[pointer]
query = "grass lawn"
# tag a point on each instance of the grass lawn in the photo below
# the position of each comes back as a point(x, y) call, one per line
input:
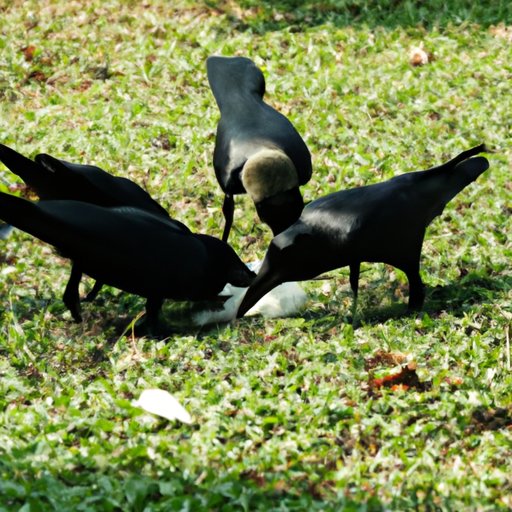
point(287, 412)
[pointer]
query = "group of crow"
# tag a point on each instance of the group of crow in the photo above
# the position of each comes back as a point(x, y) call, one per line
point(112, 230)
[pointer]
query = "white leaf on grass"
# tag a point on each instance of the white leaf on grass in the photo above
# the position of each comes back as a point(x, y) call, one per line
point(284, 300)
point(162, 403)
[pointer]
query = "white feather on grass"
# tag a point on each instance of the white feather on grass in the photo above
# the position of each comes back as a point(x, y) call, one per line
point(162, 403)
point(284, 300)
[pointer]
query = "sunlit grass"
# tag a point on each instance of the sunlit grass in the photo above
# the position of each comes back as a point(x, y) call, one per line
point(285, 418)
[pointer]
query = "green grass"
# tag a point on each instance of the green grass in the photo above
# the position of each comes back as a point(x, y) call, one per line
point(285, 418)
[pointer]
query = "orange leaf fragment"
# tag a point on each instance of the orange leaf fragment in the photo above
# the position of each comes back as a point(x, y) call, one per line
point(418, 56)
point(28, 52)
point(403, 380)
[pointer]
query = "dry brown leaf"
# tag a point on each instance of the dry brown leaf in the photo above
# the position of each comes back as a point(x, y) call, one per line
point(383, 358)
point(403, 380)
point(502, 31)
point(419, 57)
point(28, 52)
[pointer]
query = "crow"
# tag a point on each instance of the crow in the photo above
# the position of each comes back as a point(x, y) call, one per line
point(130, 249)
point(51, 178)
point(384, 222)
point(257, 149)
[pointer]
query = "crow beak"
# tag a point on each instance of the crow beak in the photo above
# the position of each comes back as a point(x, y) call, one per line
point(265, 281)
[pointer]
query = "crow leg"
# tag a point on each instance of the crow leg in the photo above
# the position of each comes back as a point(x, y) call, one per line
point(416, 287)
point(354, 284)
point(71, 297)
point(153, 306)
point(228, 209)
point(94, 292)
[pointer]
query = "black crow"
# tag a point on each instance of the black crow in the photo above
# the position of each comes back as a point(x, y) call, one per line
point(52, 178)
point(257, 150)
point(130, 249)
point(384, 222)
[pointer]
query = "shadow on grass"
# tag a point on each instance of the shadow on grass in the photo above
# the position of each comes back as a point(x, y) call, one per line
point(296, 15)
point(474, 289)
point(115, 313)
point(175, 320)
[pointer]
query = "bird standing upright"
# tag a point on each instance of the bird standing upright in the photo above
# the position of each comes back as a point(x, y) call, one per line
point(257, 149)
point(384, 222)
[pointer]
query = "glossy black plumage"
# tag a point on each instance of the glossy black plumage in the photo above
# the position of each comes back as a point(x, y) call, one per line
point(247, 127)
point(130, 249)
point(384, 222)
point(52, 178)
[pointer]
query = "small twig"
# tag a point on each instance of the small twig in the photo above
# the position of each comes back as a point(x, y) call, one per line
point(131, 328)
point(507, 345)
point(508, 316)
point(323, 277)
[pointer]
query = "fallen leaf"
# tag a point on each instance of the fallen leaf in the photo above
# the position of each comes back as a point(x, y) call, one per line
point(418, 56)
point(383, 358)
point(403, 380)
point(502, 31)
point(454, 381)
point(399, 387)
point(28, 52)
point(84, 85)
point(284, 300)
point(162, 403)
point(36, 75)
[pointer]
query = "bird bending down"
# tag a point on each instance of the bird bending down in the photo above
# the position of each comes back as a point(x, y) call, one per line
point(384, 222)
point(257, 149)
point(52, 178)
point(130, 249)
